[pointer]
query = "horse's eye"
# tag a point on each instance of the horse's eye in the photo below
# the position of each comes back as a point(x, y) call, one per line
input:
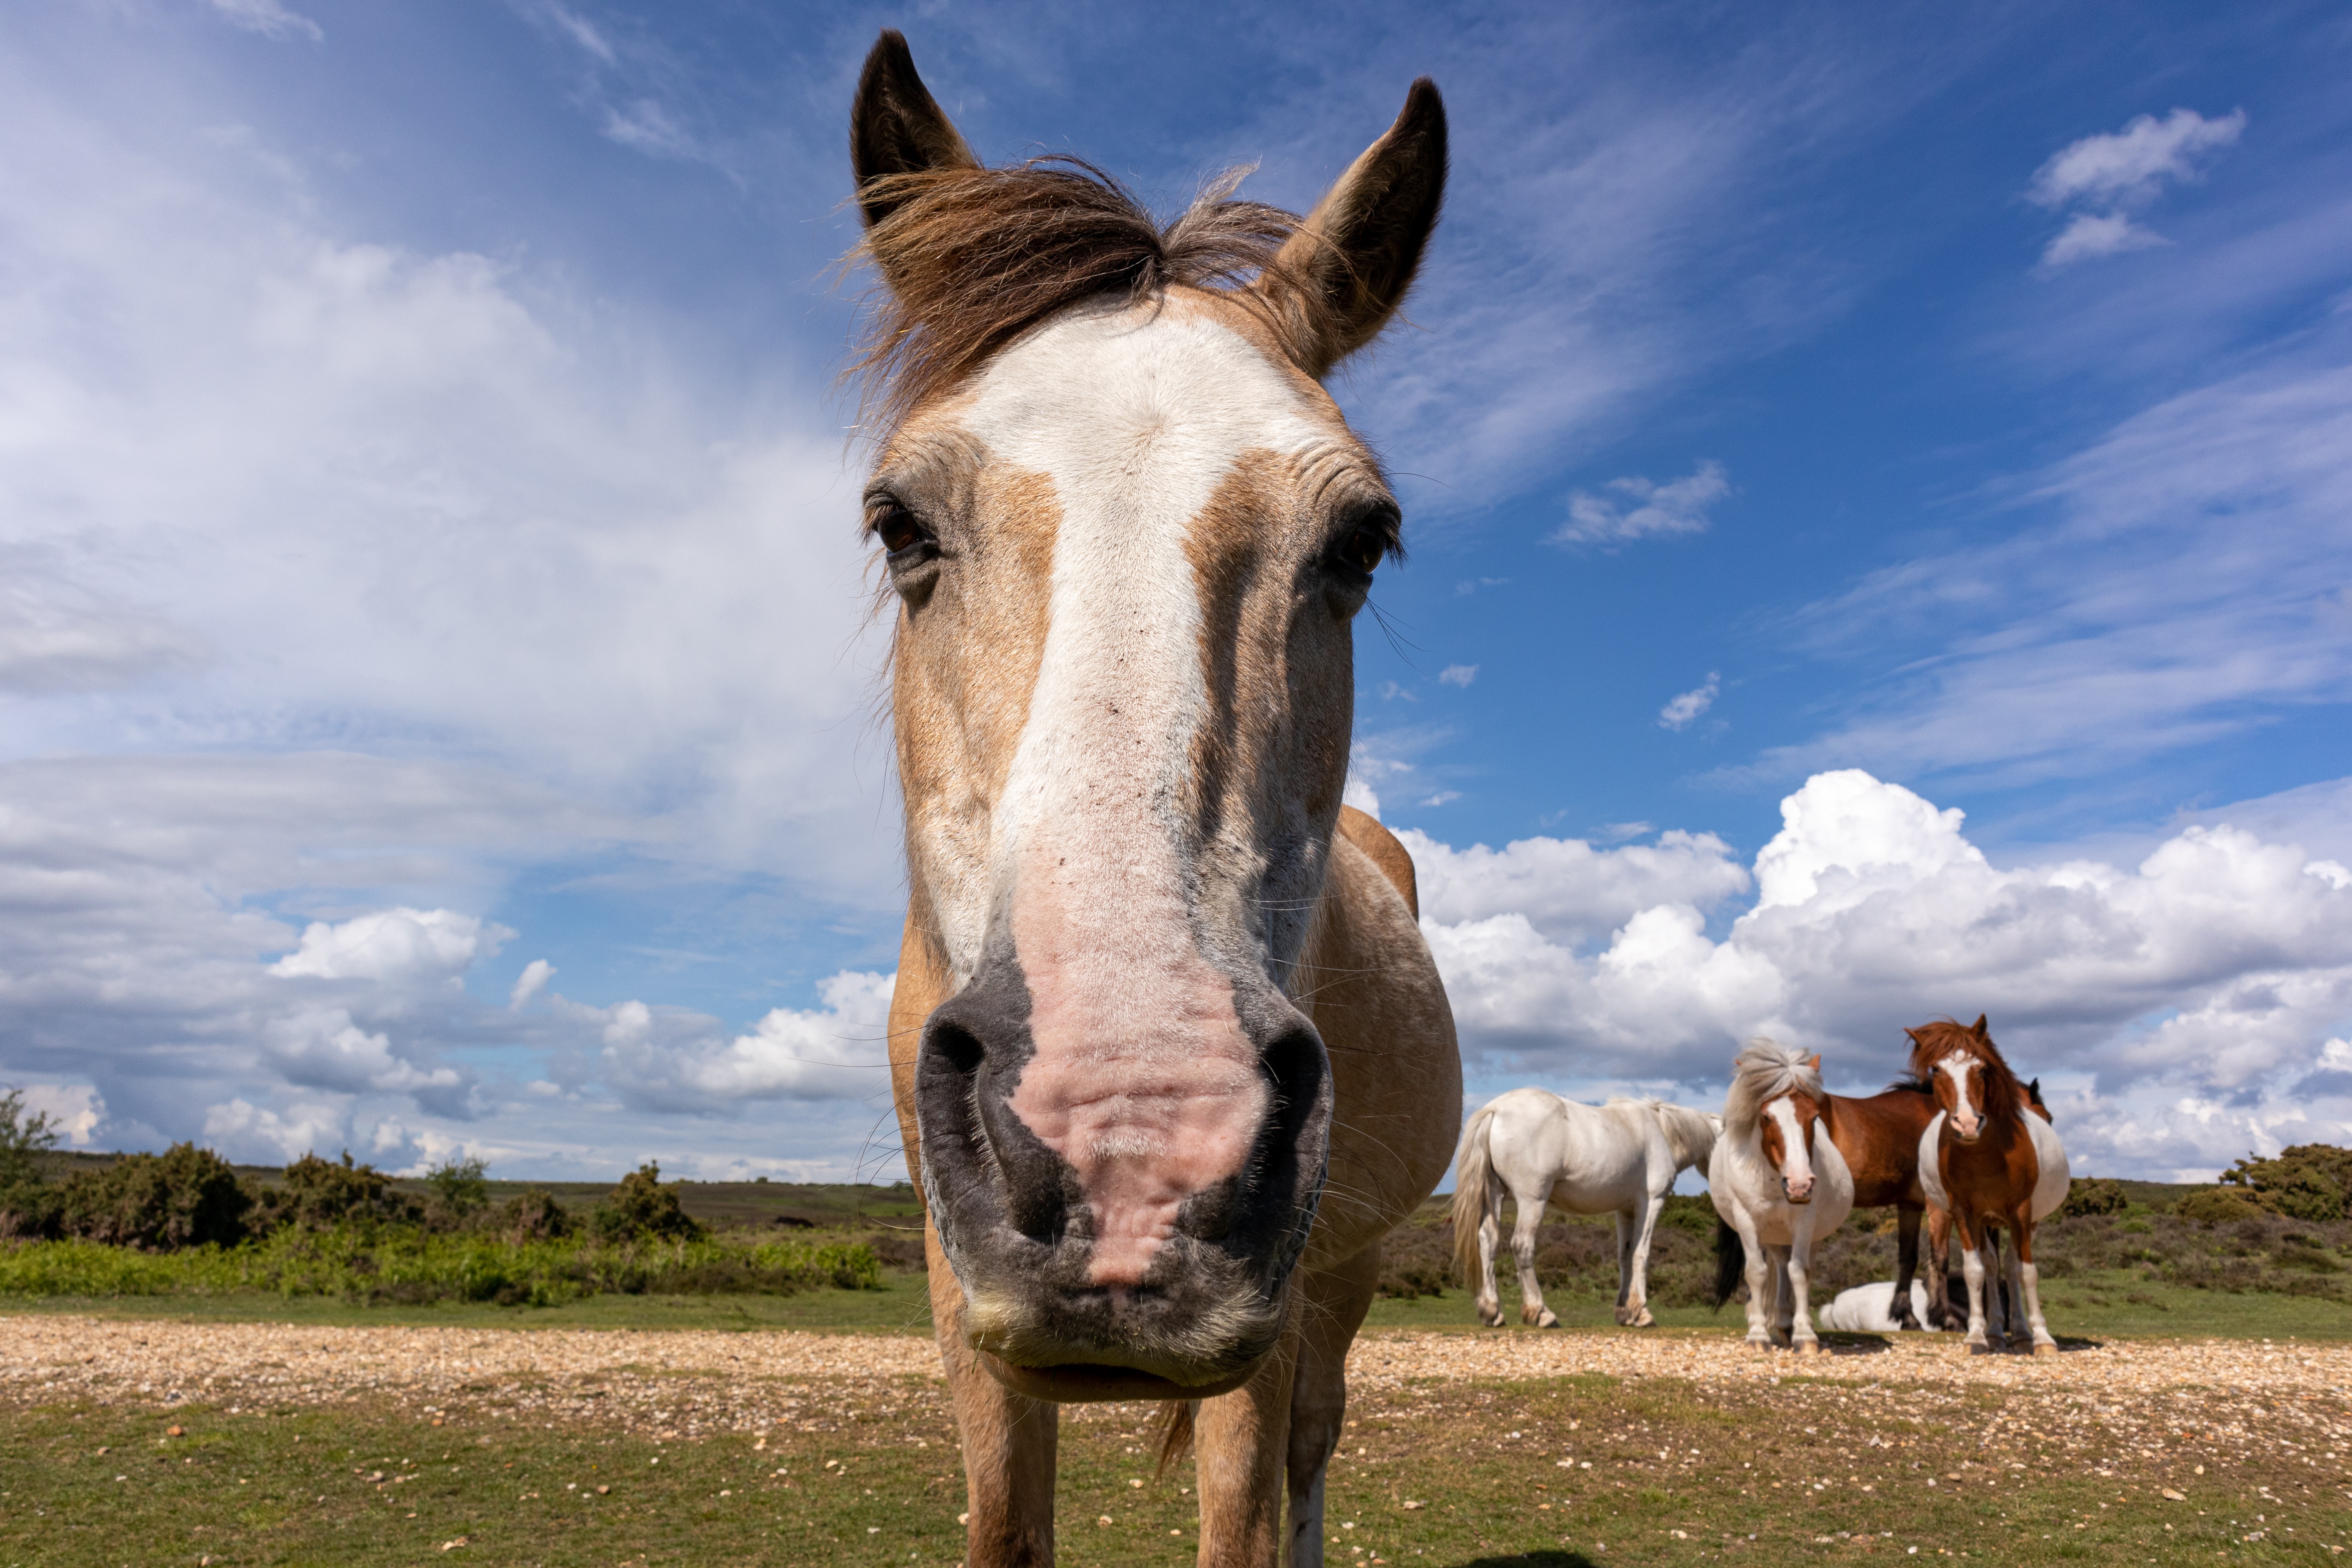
point(897, 529)
point(1365, 548)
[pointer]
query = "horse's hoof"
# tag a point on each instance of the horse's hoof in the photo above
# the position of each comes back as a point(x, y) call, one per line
point(2045, 1347)
point(1978, 1347)
point(1548, 1320)
point(1807, 1347)
point(1645, 1320)
point(1757, 1344)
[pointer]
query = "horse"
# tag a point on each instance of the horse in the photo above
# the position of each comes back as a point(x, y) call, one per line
point(2000, 1304)
point(1617, 1159)
point(1167, 1052)
point(1991, 1164)
point(1778, 1182)
point(1879, 1137)
point(1870, 1308)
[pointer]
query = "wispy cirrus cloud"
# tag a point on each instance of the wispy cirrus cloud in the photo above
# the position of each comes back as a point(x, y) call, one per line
point(1635, 508)
point(2120, 170)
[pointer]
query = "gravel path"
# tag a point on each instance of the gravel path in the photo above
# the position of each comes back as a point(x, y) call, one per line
point(685, 1384)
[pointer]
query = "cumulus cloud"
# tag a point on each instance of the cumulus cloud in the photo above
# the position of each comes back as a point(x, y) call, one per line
point(2131, 165)
point(838, 1051)
point(1638, 508)
point(2121, 170)
point(245, 1131)
point(75, 1109)
point(2212, 974)
point(1679, 713)
point(1460, 674)
point(396, 946)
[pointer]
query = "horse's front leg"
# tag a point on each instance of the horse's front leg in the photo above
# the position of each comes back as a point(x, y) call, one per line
point(1801, 1337)
point(1941, 1314)
point(1759, 1287)
point(1244, 1443)
point(2026, 1282)
point(1907, 1266)
point(1335, 1301)
point(1783, 1329)
point(1634, 1264)
point(1523, 1251)
point(1972, 1264)
point(1009, 1441)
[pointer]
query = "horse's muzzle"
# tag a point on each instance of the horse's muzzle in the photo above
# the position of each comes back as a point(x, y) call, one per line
point(1020, 1227)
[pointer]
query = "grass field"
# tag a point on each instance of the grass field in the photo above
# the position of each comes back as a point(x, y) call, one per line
point(1655, 1472)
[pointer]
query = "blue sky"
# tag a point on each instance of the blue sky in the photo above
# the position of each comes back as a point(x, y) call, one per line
point(429, 532)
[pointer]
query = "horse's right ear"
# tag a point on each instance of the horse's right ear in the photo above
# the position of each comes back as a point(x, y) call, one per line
point(1355, 254)
point(896, 127)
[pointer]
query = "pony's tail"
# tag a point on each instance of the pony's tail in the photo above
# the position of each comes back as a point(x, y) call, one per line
point(1472, 1170)
point(1730, 1261)
point(1176, 1420)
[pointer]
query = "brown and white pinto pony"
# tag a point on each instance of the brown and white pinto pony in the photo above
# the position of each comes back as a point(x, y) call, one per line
point(1169, 1053)
point(1991, 1164)
point(1778, 1184)
point(1879, 1136)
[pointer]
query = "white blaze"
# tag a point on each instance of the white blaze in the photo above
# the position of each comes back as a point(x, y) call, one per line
point(1142, 1080)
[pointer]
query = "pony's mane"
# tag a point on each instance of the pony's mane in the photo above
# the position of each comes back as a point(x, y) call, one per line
point(973, 258)
point(1762, 1072)
point(1912, 1083)
point(1931, 1043)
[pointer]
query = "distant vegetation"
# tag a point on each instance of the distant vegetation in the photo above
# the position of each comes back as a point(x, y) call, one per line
point(187, 1223)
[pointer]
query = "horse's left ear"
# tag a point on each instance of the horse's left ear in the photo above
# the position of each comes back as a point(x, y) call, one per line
point(1979, 1029)
point(1355, 254)
point(1814, 1061)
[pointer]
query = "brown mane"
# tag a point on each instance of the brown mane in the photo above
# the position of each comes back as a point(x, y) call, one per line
point(973, 258)
point(1931, 1043)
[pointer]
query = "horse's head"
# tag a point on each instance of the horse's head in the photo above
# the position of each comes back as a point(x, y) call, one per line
point(1973, 1085)
point(1127, 531)
point(1785, 1133)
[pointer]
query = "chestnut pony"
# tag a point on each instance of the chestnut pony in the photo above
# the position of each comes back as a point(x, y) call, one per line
point(1991, 1162)
point(1778, 1183)
point(1879, 1136)
point(1169, 1053)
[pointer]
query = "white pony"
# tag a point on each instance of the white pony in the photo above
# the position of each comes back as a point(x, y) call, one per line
point(1618, 1159)
point(1870, 1308)
point(1778, 1182)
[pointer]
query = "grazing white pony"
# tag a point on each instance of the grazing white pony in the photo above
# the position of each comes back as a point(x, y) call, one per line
point(1778, 1182)
point(1618, 1159)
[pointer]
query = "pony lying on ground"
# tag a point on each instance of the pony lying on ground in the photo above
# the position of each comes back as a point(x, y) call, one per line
point(1778, 1182)
point(1617, 1159)
point(1169, 1053)
point(1870, 1308)
point(1992, 1165)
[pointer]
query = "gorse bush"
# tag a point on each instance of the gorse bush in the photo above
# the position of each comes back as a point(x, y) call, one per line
point(642, 1207)
point(186, 1197)
point(463, 1186)
point(2309, 1180)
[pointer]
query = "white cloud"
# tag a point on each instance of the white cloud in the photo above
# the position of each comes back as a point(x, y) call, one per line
point(1460, 674)
point(2131, 165)
point(397, 946)
point(2098, 234)
point(324, 1048)
point(837, 1052)
point(1360, 796)
point(1682, 710)
point(2211, 975)
point(530, 983)
point(269, 19)
point(1641, 508)
point(245, 1131)
point(75, 1109)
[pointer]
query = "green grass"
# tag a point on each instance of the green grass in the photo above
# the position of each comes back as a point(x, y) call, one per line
point(1797, 1474)
point(408, 1264)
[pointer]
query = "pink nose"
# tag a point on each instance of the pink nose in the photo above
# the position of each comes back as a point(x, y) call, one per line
point(1966, 1131)
point(1800, 1188)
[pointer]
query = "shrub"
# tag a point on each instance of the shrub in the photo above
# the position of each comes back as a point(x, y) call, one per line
point(2093, 1195)
point(320, 1194)
point(186, 1197)
point(533, 1215)
point(2216, 1206)
point(462, 1185)
point(2308, 1182)
point(642, 1207)
point(27, 1207)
